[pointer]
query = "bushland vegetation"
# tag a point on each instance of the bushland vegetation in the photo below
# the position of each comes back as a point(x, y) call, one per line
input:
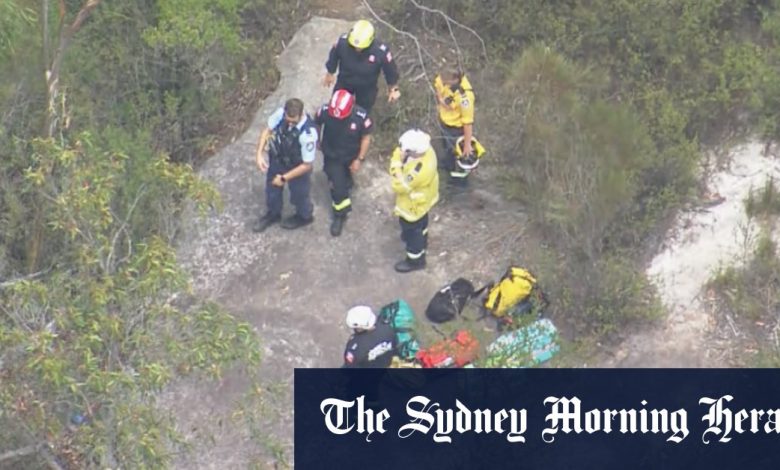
point(105, 108)
point(596, 114)
point(748, 299)
point(747, 295)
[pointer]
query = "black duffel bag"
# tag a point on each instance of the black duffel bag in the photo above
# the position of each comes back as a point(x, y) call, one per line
point(449, 301)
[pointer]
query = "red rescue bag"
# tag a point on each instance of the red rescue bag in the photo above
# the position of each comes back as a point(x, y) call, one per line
point(456, 352)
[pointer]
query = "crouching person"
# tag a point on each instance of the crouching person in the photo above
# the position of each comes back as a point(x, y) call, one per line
point(372, 344)
point(291, 140)
point(416, 184)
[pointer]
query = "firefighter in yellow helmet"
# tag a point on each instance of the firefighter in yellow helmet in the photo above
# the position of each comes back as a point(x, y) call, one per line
point(416, 184)
point(359, 58)
point(456, 118)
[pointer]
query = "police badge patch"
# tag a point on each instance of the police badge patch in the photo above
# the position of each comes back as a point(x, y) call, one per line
point(310, 146)
point(464, 102)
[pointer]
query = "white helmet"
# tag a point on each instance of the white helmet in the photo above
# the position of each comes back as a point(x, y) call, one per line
point(361, 317)
point(466, 162)
point(415, 141)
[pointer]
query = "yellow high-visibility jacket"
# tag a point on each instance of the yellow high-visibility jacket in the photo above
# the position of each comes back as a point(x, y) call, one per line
point(416, 184)
point(460, 109)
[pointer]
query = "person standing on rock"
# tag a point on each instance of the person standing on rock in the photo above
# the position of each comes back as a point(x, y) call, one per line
point(359, 58)
point(416, 184)
point(291, 139)
point(455, 99)
point(372, 344)
point(345, 131)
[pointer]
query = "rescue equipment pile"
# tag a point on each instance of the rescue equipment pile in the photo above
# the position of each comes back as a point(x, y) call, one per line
point(515, 301)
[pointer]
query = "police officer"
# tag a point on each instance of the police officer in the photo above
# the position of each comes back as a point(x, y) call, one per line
point(345, 131)
point(372, 343)
point(456, 118)
point(416, 184)
point(359, 59)
point(291, 138)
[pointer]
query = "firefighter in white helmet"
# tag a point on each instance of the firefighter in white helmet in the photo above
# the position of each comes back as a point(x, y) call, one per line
point(372, 343)
point(416, 184)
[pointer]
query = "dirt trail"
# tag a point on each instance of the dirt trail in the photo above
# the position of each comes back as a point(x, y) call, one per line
point(701, 241)
point(295, 287)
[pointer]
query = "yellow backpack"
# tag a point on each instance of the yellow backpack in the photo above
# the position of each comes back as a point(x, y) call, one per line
point(513, 287)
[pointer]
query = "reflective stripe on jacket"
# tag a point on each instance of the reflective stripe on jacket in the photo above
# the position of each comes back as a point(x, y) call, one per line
point(416, 184)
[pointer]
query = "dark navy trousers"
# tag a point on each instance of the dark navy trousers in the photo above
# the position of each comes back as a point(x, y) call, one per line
point(300, 189)
point(340, 178)
point(450, 135)
point(415, 236)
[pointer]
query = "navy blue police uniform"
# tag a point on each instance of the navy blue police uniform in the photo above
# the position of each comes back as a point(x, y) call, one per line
point(289, 147)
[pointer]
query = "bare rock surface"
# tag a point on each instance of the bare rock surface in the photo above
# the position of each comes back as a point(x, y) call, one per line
point(702, 240)
point(295, 286)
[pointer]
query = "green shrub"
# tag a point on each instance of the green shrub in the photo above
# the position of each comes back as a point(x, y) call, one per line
point(750, 296)
point(752, 292)
point(764, 202)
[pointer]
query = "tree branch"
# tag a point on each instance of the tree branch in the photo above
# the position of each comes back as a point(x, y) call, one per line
point(61, 4)
point(41, 449)
point(21, 452)
point(45, 27)
point(50, 458)
point(409, 35)
point(11, 282)
point(449, 20)
point(123, 229)
point(53, 71)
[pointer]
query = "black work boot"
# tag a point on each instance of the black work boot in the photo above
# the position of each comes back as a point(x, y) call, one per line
point(409, 265)
point(296, 221)
point(337, 225)
point(266, 221)
point(458, 184)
